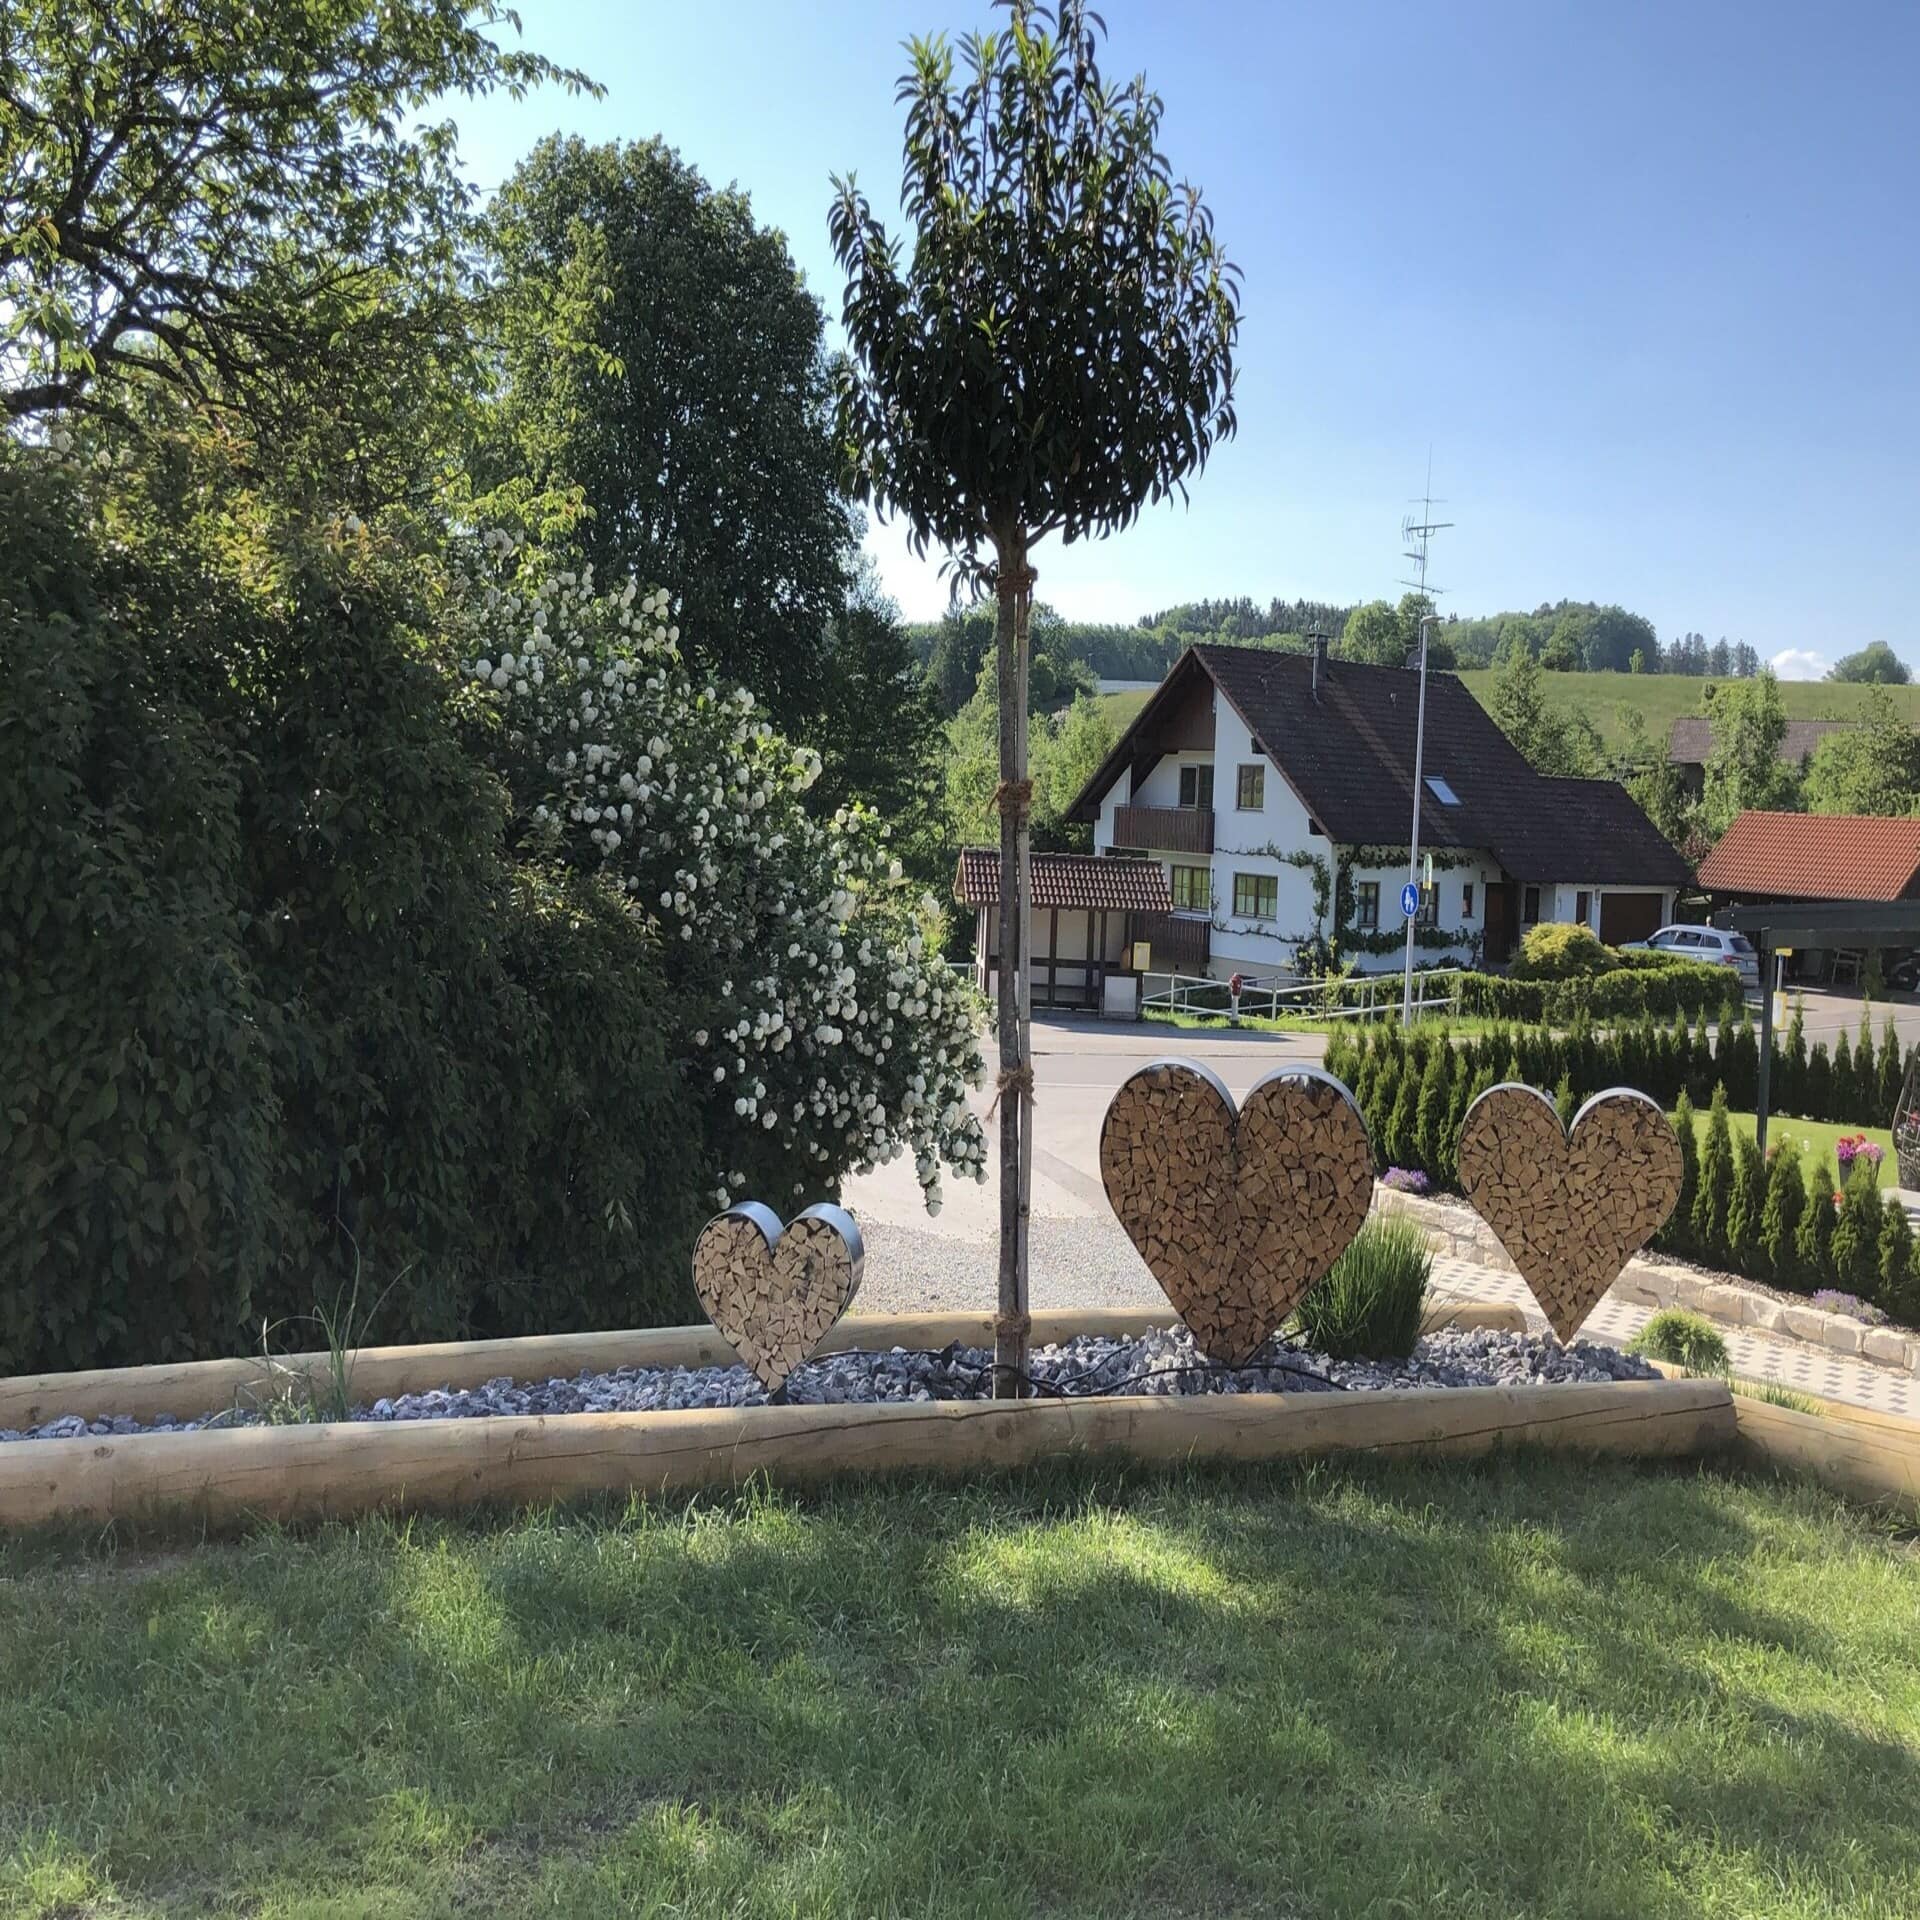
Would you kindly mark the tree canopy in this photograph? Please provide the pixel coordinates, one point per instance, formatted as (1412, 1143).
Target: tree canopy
(1876, 663)
(222, 198)
(1871, 768)
(666, 402)
(1743, 766)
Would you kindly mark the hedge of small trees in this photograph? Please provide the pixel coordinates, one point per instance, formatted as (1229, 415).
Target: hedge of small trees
(1775, 1218)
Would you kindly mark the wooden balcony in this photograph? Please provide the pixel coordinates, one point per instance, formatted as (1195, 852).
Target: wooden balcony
(1164, 829)
(1180, 942)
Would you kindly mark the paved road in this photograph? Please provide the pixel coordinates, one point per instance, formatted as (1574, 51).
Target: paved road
(1081, 1258)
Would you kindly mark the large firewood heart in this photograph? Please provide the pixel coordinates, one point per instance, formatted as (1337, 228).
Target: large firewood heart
(1237, 1217)
(1570, 1207)
(773, 1293)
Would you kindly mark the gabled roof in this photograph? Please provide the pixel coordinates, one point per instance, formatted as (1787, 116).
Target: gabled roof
(1095, 882)
(1816, 856)
(1347, 751)
(1690, 739)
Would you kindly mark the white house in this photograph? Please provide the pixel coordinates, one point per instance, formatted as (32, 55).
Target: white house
(1276, 790)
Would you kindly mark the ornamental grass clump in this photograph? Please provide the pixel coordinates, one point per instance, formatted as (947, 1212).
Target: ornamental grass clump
(1682, 1339)
(1372, 1305)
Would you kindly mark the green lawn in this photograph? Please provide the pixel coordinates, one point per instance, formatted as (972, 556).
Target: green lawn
(1527, 1688)
(1660, 697)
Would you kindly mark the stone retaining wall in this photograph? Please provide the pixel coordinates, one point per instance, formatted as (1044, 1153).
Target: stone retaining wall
(1458, 1233)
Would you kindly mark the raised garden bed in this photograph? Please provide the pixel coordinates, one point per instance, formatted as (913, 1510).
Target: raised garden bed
(304, 1470)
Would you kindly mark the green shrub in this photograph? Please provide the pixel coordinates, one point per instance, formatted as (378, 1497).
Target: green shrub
(1708, 1227)
(1895, 1258)
(1746, 1207)
(1560, 950)
(1564, 1103)
(1676, 1231)
(1891, 1077)
(1430, 1117)
(1856, 1236)
(1682, 1339)
(1780, 1218)
(1373, 1303)
(1813, 1244)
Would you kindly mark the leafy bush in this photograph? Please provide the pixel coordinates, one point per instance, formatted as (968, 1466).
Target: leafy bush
(1650, 984)
(1682, 1339)
(1372, 1305)
(1560, 950)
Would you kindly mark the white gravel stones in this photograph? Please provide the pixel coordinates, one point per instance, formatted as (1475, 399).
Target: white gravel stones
(1159, 1362)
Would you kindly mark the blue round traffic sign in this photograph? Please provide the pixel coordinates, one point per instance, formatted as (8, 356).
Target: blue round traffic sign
(1409, 899)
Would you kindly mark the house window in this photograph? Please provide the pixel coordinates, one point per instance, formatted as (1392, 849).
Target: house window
(1192, 889)
(1366, 904)
(1582, 906)
(1429, 914)
(1256, 896)
(1466, 901)
(1251, 793)
(1196, 787)
(1530, 907)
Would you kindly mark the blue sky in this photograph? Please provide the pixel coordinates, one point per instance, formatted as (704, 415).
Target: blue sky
(1642, 277)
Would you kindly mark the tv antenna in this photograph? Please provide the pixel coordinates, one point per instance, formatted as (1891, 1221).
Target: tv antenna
(1417, 530)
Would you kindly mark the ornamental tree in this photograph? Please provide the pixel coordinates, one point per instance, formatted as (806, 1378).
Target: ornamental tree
(1056, 353)
(822, 1035)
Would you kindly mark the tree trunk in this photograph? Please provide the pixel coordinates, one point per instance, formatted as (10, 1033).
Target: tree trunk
(1014, 1093)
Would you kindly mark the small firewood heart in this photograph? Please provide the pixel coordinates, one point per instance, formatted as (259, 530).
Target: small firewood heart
(774, 1293)
(1570, 1207)
(1236, 1216)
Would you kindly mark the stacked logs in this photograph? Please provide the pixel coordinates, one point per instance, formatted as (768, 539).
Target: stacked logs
(1570, 1209)
(1237, 1217)
(774, 1294)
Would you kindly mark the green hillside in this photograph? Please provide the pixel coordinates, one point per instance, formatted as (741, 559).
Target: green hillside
(1660, 697)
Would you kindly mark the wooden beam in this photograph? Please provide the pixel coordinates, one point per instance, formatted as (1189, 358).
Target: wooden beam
(285, 1474)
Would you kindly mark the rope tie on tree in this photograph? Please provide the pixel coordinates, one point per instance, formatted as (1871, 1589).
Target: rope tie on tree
(1014, 797)
(1014, 1326)
(1012, 582)
(1014, 1080)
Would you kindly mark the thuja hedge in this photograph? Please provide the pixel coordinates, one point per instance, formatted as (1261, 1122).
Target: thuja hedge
(1856, 1084)
(1647, 984)
(1771, 1219)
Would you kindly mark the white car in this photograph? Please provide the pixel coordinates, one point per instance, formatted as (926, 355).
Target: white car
(1714, 945)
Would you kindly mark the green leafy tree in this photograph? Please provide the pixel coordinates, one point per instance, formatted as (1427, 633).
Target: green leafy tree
(1715, 1191)
(1744, 770)
(666, 405)
(1818, 1104)
(1792, 1094)
(1373, 634)
(1780, 1217)
(1876, 663)
(1892, 1075)
(1856, 1235)
(1054, 353)
(1641, 765)
(1841, 1089)
(1873, 768)
(229, 200)
(1430, 1123)
(1554, 742)
(1814, 1243)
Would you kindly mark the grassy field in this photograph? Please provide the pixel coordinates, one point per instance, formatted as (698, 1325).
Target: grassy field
(1533, 1687)
(1661, 698)
(1816, 1137)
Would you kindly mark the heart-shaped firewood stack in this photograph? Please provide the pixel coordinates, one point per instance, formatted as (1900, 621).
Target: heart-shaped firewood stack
(774, 1293)
(1236, 1216)
(1571, 1209)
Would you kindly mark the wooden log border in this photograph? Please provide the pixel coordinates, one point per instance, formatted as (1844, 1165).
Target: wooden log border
(304, 1473)
(193, 1388)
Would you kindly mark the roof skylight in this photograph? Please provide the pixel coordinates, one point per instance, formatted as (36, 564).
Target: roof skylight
(1441, 791)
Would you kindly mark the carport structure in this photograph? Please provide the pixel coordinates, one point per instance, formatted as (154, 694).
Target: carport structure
(1795, 924)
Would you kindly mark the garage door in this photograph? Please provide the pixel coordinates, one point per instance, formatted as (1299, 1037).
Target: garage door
(1628, 916)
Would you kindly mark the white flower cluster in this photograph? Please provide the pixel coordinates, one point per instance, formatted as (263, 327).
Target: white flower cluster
(825, 1037)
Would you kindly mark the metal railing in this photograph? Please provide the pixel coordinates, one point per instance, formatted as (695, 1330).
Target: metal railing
(1353, 996)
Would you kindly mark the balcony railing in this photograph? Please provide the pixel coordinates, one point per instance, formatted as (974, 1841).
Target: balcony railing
(1177, 939)
(1164, 829)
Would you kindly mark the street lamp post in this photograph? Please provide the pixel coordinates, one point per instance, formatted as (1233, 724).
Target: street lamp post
(1413, 841)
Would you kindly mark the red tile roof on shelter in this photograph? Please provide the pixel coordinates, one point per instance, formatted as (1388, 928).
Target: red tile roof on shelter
(1815, 856)
(1074, 880)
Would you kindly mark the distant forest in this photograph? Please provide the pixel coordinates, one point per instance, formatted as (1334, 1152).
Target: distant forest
(1070, 656)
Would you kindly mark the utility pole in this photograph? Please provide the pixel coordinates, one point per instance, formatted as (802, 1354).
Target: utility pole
(1417, 533)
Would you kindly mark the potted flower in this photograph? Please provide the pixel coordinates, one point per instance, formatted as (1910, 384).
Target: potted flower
(1856, 1150)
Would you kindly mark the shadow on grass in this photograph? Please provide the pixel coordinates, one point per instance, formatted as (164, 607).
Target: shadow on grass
(1534, 1686)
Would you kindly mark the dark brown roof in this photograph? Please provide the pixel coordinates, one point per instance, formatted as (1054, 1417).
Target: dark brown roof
(1690, 739)
(1816, 856)
(1348, 754)
(1089, 880)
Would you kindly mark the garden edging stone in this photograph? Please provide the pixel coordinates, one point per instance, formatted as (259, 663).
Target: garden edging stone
(1459, 1233)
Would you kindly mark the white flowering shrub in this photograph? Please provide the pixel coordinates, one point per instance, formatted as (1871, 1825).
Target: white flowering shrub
(821, 1034)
